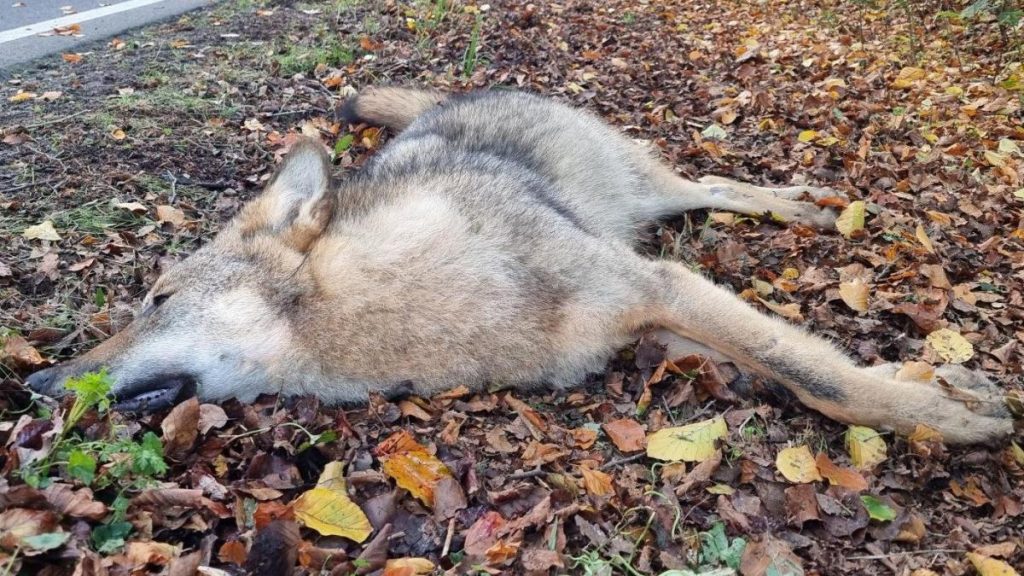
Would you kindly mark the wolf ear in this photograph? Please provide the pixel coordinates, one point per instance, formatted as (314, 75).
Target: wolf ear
(298, 202)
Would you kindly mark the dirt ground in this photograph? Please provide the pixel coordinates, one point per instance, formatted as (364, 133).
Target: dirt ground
(138, 148)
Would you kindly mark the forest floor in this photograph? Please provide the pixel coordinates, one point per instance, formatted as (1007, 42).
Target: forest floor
(120, 159)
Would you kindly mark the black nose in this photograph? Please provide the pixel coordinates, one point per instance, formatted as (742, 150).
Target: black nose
(42, 381)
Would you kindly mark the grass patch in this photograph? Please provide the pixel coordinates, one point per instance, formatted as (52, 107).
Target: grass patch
(303, 59)
(94, 217)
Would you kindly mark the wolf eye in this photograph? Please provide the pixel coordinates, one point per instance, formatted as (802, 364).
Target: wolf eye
(160, 299)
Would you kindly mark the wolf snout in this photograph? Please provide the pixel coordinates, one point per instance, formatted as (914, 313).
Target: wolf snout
(44, 381)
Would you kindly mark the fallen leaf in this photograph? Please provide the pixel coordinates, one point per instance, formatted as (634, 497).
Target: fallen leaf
(327, 508)
(170, 215)
(181, 427)
(789, 311)
(855, 295)
(408, 566)
(838, 475)
(923, 238)
(71, 57)
(866, 447)
(851, 219)
(16, 524)
(691, 443)
(22, 96)
(411, 466)
(913, 371)
(951, 346)
(133, 207)
(627, 434)
(797, 465)
(597, 483)
(18, 353)
(43, 231)
(211, 416)
(232, 551)
(877, 509)
(907, 76)
(990, 566)
(117, 133)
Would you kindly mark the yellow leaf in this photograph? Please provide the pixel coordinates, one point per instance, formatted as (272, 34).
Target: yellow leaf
(851, 219)
(411, 466)
(855, 295)
(1018, 453)
(995, 159)
(44, 231)
(408, 566)
(923, 238)
(797, 465)
(924, 433)
(866, 447)
(990, 566)
(790, 273)
(827, 141)
(22, 96)
(907, 76)
(807, 135)
(117, 133)
(950, 346)
(790, 311)
(327, 509)
(597, 483)
(913, 371)
(690, 443)
(721, 489)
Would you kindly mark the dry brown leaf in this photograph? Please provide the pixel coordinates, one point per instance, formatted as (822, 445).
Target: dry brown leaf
(855, 295)
(75, 503)
(789, 311)
(597, 483)
(211, 416)
(627, 434)
(181, 427)
(171, 215)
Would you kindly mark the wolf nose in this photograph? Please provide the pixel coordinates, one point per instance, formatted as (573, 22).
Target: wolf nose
(42, 380)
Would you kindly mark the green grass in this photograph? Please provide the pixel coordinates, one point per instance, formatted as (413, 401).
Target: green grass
(95, 217)
(303, 59)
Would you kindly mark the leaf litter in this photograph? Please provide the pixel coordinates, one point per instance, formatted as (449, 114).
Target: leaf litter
(912, 115)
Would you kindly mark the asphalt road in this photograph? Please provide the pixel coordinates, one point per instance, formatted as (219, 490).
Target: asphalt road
(22, 22)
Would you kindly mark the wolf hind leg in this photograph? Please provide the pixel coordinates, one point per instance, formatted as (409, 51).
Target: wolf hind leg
(675, 194)
(816, 372)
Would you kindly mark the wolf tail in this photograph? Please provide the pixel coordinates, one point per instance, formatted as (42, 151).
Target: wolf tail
(395, 108)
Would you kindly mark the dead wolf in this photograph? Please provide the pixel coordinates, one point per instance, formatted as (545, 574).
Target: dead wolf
(491, 242)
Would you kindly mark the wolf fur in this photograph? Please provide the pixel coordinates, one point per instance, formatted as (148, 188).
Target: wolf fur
(491, 242)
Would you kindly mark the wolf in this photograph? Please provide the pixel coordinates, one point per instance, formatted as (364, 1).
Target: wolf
(491, 243)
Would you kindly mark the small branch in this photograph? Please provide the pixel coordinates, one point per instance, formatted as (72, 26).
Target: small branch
(56, 120)
(622, 461)
(908, 553)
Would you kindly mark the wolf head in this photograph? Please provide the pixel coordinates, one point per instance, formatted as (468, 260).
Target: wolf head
(220, 322)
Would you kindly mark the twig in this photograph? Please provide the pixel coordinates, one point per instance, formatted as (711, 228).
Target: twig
(448, 538)
(622, 461)
(56, 120)
(26, 185)
(907, 553)
(530, 474)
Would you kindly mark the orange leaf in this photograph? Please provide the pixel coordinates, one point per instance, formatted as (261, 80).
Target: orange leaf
(71, 57)
(628, 435)
(597, 483)
(838, 475)
(411, 466)
(232, 551)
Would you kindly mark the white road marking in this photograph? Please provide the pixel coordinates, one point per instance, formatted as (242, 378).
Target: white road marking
(48, 25)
